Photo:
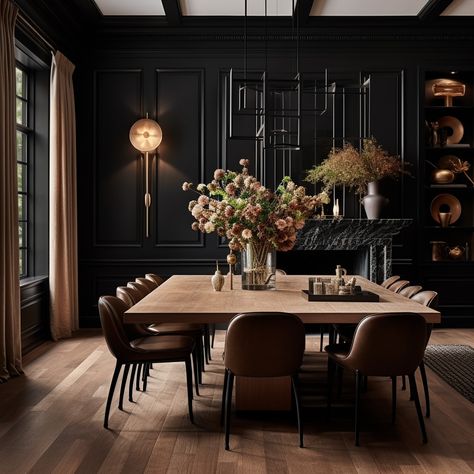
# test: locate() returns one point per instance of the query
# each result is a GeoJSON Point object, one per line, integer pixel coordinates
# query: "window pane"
{"type": "Point", "coordinates": [21, 207]}
{"type": "Point", "coordinates": [21, 142]}
{"type": "Point", "coordinates": [20, 83]}
{"type": "Point", "coordinates": [22, 177]}
{"type": "Point", "coordinates": [22, 272]}
{"type": "Point", "coordinates": [22, 234]}
{"type": "Point", "coordinates": [21, 112]}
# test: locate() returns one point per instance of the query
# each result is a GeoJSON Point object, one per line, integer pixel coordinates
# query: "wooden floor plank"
{"type": "Point", "coordinates": [51, 421]}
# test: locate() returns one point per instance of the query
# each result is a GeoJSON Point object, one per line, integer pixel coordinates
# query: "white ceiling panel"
{"type": "Point", "coordinates": [235, 7]}
{"type": "Point", "coordinates": [460, 8]}
{"type": "Point", "coordinates": [367, 7]}
{"type": "Point", "coordinates": [130, 7]}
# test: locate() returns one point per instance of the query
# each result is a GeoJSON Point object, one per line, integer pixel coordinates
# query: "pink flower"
{"type": "Point", "coordinates": [247, 234]}
{"type": "Point", "coordinates": [186, 186]}
{"type": "Point", "coordinates": [195, 226]}
{"type": "Point", "coordinates": [209, 227]}
{"type": "Point", "coordinates": [230, 189]}
{"type": "Point", "coordinates": [234, 244]}
{"type": "Point", "coordinates": [191, 205]}
{"type": "Point", "coordinates": [244, 162]}
{"type": "Point", "coordinates": [299, 224]}
{"type": "Point", "coordinates": [203, 200]}
{"type": "Point", "coordinates": [229, 211]}
{"type": "Point", "coordinates": [280, 224]}
{"type": "Point", "coordinates": [197, 210]}
{"type": "Point", "coordinates": [219, 174]}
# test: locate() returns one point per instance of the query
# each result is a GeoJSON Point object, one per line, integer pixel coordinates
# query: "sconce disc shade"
{"type": "Point", "coordinates": [145, 135]}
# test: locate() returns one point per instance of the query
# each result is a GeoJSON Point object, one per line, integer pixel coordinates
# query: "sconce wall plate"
{"type": "Point", "coordinates": [146, 135]}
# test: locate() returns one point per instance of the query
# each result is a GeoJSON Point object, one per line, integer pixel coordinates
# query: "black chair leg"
{"type": "Point", "coordinates": [122, 386]}
{"type": "Point", "coordinates": [224, 392]}
{"type": "Point", "coordinates": [196, 371]}
{"type": "Point", "coordinates": [145, 376]}
{"type": "Point", "coordinates": [113, 383]}
{"type": "Point", "coordinates": [228, 406]}
{"type": "Point", "coordinates": [331, 370]}
{"type": "Point", "coordinates": [201, 357]}
{"type": "Point", "coordinates": [294, 383]}
{"type": "Point", "coordinates": [412, 380]}
{"type": "Point", "coordinates": [357, 406]}
{"type": "Point", "coordinates": [425, 388]}
{"type": "Point", "coordinates": [321, 339]}
{"type": "Point", "coordinates": [394, 398]}
{"type": "Point", "coordinates": [189, 381]}
{"type": "Point", "coordinates": [130, 385]}
{"type": "Point", "coordinates": [213, 332]}
{"type": "Point", "coordinates": [404, 383]}
{"type": "Point", "coordinates": [139, 369]}
{"type": "Point", "coordinates": [207, 343]}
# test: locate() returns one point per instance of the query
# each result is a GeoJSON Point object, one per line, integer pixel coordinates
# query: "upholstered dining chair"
{"type": "Point", "coordinates": [411, 290]}
{"type": "Point", "coordinates": [154, 278]}
{"type": "Point", "coordinates": [398, 286]}
{"type": "Point", "coordinates": [390, 344]}
{"type": "Point", "coordinates": [143, 350]}
{"type": "Point", "coordinates": [427, 298]}
{"type": "Point", "coordinates": [131, 296]}
{"type": "Point", "coordinates": [390, 281]}
{"type": "Point", "coordinates": [262, 345]}
{"type": "Point", "coordinates": [149, 284]}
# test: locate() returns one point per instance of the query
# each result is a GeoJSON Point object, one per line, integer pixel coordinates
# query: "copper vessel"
{"type": "Point", "coordinates": [448, 89]}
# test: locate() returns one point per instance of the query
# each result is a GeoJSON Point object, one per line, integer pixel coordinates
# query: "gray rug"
{"type": "Point", "coordinates": [455, 365]}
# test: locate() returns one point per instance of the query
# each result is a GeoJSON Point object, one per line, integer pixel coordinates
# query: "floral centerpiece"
{"type": "Point", "coordinates": [254, 219]}
{"type": "Point", "coordinates": [359, 170]}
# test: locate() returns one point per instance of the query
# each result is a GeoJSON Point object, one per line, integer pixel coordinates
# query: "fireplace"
{"type": "Point", "coordinates": [362, 246]}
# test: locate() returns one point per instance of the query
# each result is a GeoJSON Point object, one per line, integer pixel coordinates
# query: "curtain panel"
{"type": "Point", "coordinates": [63, 201]}
{"type": "Point", "coordinates": [10, 324]}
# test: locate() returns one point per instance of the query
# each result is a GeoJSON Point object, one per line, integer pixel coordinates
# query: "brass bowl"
{"type": "Point", "coordinates": [440, 176]}
{"type": "Point", "coordinates": [455, 125]}
{"type": "Point", "coordinates": [452, 202]}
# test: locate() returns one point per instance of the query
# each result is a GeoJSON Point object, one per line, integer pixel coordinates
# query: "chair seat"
{"type": "Point", "coordinates": [163, 347]}
{"type": "Point", "coordinates": [176, 329]}
{"type": "Point", "coordinates": [338, 351]}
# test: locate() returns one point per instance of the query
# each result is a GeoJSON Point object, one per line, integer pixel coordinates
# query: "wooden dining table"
{"type": "Point", "coordinates": [191, 299]}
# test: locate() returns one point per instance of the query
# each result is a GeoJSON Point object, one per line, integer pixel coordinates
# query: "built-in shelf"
{"type": "Point", "coordinates": [450, 228]}
{"type": "Point", "coordinates": [453, 107]}
{"type": "Point", "coordinates": [451, 187]}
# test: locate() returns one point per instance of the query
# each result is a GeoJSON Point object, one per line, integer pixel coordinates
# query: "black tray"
{"type": "Point", "coordinates": [367, 296]}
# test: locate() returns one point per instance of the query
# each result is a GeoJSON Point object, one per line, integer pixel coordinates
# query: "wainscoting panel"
{"type": "Point", "coordinates": [180, 113]}
{"type": "Point", "coordinates": [118, 103]}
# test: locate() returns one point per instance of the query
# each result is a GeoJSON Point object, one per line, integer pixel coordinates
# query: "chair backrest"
{"type": "Point", "coordinates": [141, 289]}
{"type": "Point", "coordinates": [388, 344]}
{"type": "Point", "coordinates": [409, 291]}
{"type": "Point", "coordinates": [111, 311]}
{"type": "Point", "coordinates": [129, 296]}
{"type": "Point", "coordinates": [390, 281]}
{"type": "Point", "coordinates": [279, 271]}
{"type": "Point", "coordinates": [155, 278]}
{"type": "Point", "coordinates": [151, 285]}
{"type": "Point", "coordinates": [398, 285]}
{"type": "Point", "coordinates": [264, 344]}
{"type": "Point", "coordinates": [428, 298]}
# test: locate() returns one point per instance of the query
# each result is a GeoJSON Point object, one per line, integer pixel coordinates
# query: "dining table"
{"type": "Point", "coordinates": [191, 299]}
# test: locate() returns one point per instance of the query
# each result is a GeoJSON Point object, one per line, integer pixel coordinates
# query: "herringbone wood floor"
{"type": "Point", "coordinates": [51, 422]}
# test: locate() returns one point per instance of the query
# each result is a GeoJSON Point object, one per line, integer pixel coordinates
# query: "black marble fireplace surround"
{"type": "Point", "coordinates": [371, 239]}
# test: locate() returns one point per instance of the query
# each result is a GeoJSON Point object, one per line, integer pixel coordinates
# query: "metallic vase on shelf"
{"type": "Point", "coordinates": [374, 202]}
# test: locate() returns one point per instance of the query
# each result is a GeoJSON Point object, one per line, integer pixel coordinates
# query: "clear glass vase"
{"type": "Point", "coordinates": [258, 263]}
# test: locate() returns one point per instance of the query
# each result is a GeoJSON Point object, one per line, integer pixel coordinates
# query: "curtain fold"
{"type": "Point", "coordinates": [10, 324]}
{"type": "Point", "coordinates": [63, 201]}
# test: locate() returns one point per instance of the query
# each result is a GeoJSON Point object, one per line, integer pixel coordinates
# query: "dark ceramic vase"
{"type": "Point", "coordinates": [374, 202]}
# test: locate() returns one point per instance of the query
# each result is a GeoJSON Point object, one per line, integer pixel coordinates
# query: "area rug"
{"type": "Point", "coordinates": [455, 365]}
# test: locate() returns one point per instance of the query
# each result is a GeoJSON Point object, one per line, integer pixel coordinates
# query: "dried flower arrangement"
{"type": "Point", "coordinates": [237, 206]}
{"type": "Point", "coordinates": [355, 169]}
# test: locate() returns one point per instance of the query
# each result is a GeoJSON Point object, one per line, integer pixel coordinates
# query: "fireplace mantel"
{"type": "Point", "coordinates": [353, 234]}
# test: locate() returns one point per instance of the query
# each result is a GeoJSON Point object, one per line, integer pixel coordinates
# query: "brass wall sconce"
{"type": "Point", "coordinates": [146, 135]}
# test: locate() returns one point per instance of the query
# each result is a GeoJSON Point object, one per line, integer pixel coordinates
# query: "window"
{"type": "Point", "coordinates": [24, 133]}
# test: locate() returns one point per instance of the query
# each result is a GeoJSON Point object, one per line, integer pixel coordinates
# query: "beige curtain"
{"type": "Point", "coordinates": [10, 327]}
{"type": "Point", "coordinates": [62, 196]}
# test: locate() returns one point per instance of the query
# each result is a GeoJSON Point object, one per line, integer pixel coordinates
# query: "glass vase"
{"type": "Point", "coordinates": [258, 263]}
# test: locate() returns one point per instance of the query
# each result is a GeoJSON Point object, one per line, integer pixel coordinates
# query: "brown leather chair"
{"type": "Point", "coordinates": [409, 291]}
{"type": "Point", "coordinates": [390, 281]}
{"type": "Point", "coordinates": [430, 299]}
{"type": "Point", "coordinates": [262, 345]}
{"type": "Point", "coordinates": [141, 289]}
{"type": "Point", "coordinates": [131, 296]}
{"type": "Point", "coordinates": [143, 350]}
{"type": "Point", "coordinates": [389, 344]}
{"type": "Point", "coordinates": [398, 286]}
{"type": "Point", "coordinates": [149, 284]}
{"type": "Point", "coordinates": [154, 278]}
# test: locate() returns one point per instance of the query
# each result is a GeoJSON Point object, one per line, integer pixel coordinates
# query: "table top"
{"type": "Point", "coordinates": [191, 299]}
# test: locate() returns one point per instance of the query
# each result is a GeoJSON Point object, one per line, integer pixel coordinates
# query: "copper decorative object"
{"type": "Point", "coordinates": [445, 219]}
{"type": "Point", "coordinates": [441, 176]}
{"type": "Point", "coordinates": [457, 129]}
{"type": "Point", "coordinates": [456, 253]}
{"type": "Point", "coordinates": [438, 250]}
{"type": "Point", "coordinates": [445, 204]}
{"type": "Point", "coordinates": [231, 260]}
{"type": "Point", "coordinates": [448, 89]}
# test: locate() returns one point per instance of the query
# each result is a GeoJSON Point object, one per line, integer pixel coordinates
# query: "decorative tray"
{"type": "Point", "coordinates": [362, 296]}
